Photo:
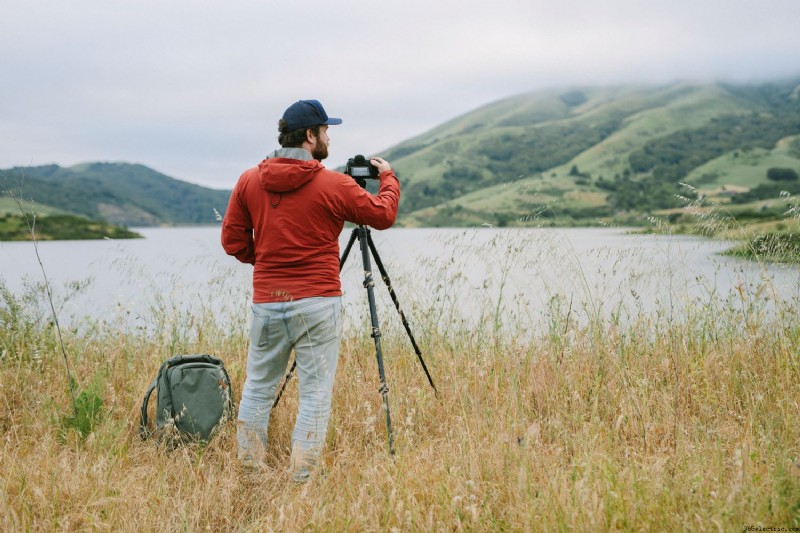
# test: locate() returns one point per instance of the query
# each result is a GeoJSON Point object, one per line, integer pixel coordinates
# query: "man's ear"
{"type": "Point", "coordinates": [310, 137]}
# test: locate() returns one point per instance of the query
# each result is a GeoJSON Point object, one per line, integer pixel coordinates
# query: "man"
{"type": "Point", "coordinates": [284, 217]}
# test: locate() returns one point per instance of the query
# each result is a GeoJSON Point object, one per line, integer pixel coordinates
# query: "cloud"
{"type": "Point", "coordinates": [194, 89]}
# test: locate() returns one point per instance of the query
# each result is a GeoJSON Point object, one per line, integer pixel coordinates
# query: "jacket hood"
{"type": "Point", "coordinates": [283, 174]}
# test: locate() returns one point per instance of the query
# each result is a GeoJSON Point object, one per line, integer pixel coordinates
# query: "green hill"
{"type": "Point", "coordinates": [595, 155]}
{"type": "Point", "coordinates": [119, 193]}
{"type": "Point", "coordinates": [61, 227]}
{"type": "Point", "coordinates": [583, 156]}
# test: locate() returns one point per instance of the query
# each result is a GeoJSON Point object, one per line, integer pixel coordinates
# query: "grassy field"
{"type": "Point", "coordinates": [747, 168]}
{"type": "Point", "coordinates": [657, 424]}
{"type": "Point", "coordinates": [9, 206]}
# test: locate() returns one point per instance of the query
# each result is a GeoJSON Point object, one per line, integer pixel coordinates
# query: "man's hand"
{"type": "Point", "coordinates": [381, 164]}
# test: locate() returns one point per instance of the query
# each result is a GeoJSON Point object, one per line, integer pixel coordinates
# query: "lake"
{"type": "Point", "coordinates": [523, 278]}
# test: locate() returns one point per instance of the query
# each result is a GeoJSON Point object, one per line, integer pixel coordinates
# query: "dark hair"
{"type": "Point", "coordinates": [294, 138]}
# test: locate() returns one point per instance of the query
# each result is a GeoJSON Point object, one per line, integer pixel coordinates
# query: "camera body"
{"type": "Point", "coordinates": [359, 168]}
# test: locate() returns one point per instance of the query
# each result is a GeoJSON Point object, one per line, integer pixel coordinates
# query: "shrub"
{"type": "Point", "coordinates": [782, 174]}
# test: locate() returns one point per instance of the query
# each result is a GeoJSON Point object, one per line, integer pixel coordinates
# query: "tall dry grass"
{"type": "Point", "coordinates": [592, 423]}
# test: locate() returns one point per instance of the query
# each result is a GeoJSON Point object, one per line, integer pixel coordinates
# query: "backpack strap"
{"type": "Point", "coordinates": [143, 431]}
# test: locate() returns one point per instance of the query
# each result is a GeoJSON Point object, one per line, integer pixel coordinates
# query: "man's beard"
{"type": "Point", "coordinates": [320, 151]}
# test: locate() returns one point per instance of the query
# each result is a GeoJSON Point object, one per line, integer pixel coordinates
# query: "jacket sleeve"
{"type": "Point", "coordinates": [378, 211]}
{"type": "Point", "coordinates": [237, 229]}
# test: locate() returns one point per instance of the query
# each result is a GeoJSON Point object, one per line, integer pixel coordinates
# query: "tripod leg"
{"type": "Point", "coordinates": [347, 248]}
{"type": "Point", "coordinates": [388, 283]}
{"type": "Point", "coordinates": [369, 284]}
{"type": "Point", "coordinates": [285, 382]}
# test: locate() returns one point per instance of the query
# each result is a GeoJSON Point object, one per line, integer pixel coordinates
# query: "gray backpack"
{"type": "Point", "coordinates": [193, 398]}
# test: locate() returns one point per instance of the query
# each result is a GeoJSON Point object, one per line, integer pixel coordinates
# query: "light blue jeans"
{"type": "Point", "coordinates": [313, 328]}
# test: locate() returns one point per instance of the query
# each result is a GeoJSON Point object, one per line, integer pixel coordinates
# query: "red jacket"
{"type": "Point", "coordinates": [285, 217]}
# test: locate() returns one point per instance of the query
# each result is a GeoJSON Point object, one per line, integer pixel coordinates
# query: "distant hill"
{"type": "Point", "coordinates": [582, 156]}
{"type": "Point", "coordinates": [120, 193]}
{"type": "Point", "coordinates": [588, 155]}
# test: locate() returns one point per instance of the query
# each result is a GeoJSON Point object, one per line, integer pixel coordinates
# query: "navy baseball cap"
{"type": "Point", "coordinates": [307, 113]}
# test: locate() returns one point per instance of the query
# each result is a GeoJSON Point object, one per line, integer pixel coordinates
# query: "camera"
{"type": "Point", "coordinates": [359, 168]}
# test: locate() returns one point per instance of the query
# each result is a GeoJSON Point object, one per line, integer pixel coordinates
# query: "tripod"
{"type": "Point", "coordinates": [362, 233]}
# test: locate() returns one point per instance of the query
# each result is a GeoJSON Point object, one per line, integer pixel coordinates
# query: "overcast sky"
{"type": "Point", "coordinates": [194, 89]}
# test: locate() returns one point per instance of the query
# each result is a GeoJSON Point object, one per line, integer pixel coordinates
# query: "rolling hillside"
{"type": "Point", "coordinates": [119, 193]}
{"type": "Point", "coordinates": [594, 155]}
{"type": "Point", "coordinates": [583, 156]}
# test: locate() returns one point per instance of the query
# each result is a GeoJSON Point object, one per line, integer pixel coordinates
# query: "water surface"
{"type": "Point", "coordinates": [514, 275]}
